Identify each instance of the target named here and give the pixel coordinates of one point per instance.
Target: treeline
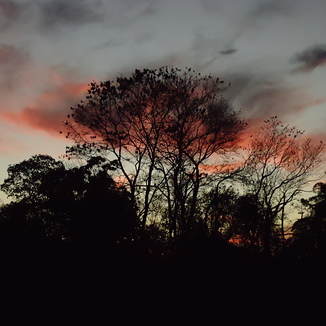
(84, 206)
(163, 156)
(72, 249)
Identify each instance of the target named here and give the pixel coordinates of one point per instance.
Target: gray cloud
(228, 52)
(10, 13)
(260, 97)
(74, 13)
(12, 60)
(210, 5)
(311, 58)
(56, 13)
(267, 8)
(207, 50)
(9, 9)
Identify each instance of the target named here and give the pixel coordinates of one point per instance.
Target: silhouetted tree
(26, 178)
(248, 221)
(31, 183)
(309, 232)
(82, 204)
(219, 212)
(104, 213)
(160, 126)
(18, 224)
(279, 166)
(234, 217)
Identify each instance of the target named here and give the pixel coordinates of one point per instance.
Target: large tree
(160, 126)
(280, 164)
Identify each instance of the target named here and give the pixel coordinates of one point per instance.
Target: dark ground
(201, 285)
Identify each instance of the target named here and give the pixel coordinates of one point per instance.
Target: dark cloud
(260, 13)
(12, 61)
(10, 13)
(311, 58)
(73, 12)
(9, 9)
(55, 14)
(267, 8)
(259, 97)
(228, 52)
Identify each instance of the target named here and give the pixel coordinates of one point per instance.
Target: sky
(273, 52)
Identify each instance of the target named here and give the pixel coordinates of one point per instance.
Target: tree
(280, 164)
(219, 212)
(309, 232)
(234, 217)
(25, 178)
(160, 126)
(103, 214)
(82, 204)
(30, 183)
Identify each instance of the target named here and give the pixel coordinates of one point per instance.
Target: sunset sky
(273, 53)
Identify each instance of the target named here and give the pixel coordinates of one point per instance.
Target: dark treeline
(160, 212)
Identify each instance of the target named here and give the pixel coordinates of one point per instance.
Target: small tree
(160, 126)
(279, 165)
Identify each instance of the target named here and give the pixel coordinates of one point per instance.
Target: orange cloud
(48, 111)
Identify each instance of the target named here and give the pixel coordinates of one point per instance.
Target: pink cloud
(50, 108)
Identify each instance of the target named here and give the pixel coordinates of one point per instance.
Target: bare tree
(279, 165)
(159, 126)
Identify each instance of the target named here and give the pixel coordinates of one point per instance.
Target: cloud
(9, 9)
(266, 9)
(228, 52)
(260, 97)
(10, 12)
(207, 50)
(311, 58)
(9, 55)
(48, 110)
(114, 14)
(56, 13)
(12, 61)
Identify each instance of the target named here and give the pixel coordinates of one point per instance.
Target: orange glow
(220, 168)
(121, 181)
(48, 111)
(237, 241)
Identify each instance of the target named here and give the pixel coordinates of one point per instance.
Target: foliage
(309, 232)
(157, 150)
(160, 126)
(26, 179)
(279, 165)
(79, 204)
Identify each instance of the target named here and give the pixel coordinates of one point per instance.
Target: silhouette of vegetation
(78, 204)
(309, 232)
(164, 215)
(279, 165)
(161, 126)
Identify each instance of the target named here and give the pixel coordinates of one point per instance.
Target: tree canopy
(158, 149)
(81, 204)
(160, 126)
